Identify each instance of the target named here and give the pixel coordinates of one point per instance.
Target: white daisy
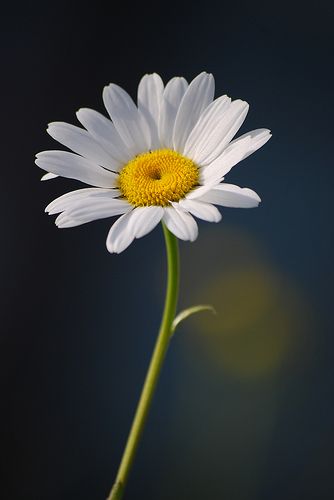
(164, 159)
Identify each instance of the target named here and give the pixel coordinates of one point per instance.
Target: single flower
(164, 159)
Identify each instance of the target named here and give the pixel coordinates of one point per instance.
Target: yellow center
(157, 177)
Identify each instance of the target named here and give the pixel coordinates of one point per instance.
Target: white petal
(238, 150)
(48, 176)
(150, 92)
(219, 132)
(135, 224)
(69, 223)
(144, 219)
(119, 236)
(215, 171)
(204, 211)
(126, 118)
(197, 97)
(75, 167)
(229, 195)
(211, 118)
(257, 137)
(66, 200)
(198, 192)
(171, 99)
(180, 223)
(80, 141)
(104, 131)
(91, 209)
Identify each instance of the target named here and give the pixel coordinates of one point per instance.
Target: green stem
(154, 369)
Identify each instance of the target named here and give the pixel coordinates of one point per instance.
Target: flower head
(164, 159)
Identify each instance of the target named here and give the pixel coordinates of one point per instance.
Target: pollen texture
(157, 178)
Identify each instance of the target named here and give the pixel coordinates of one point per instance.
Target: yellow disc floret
(157, 178)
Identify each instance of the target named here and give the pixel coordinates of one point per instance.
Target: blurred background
(244, 408)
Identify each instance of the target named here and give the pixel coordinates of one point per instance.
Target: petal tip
(110, 248)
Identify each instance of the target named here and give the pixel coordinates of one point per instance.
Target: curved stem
(155, 366)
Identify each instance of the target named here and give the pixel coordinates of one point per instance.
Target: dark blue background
(244, 408)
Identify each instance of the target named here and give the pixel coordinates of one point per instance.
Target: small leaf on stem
(188, 312)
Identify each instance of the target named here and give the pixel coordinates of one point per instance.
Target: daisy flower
(162, 160)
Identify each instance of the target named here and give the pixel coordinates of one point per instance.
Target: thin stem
(155, 366)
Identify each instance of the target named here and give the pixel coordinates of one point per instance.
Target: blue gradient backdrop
(244, 408)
